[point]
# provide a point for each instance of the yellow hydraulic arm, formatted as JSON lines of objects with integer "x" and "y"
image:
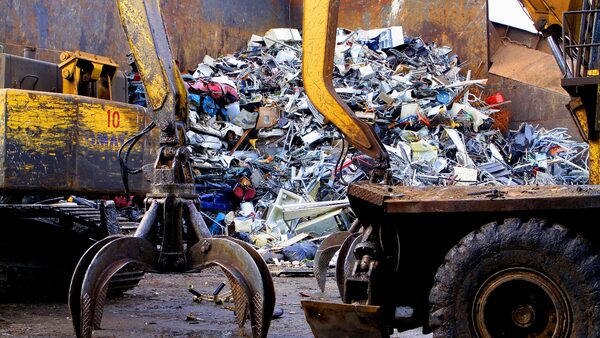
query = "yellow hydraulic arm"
{"x": 164, "y": 86}
{"x": 319, "y": 30}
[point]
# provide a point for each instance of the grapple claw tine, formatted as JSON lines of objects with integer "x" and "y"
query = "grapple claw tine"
{"x": 269, "y": 289}
{"x": 99, "y": 310}
{"x": 240, "y": 298}
{"x": 345, "y": 261}
{"x": 108, "y": 260}
{"x": 77, "y": 279}
{"x": 324, "y": 254}
{"x": 240, "y": 263}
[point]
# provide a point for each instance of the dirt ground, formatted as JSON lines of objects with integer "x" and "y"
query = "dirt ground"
{"x": 158, "y": 307}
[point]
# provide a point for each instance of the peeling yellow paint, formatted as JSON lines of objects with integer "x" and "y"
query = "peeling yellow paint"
{"x": 135, "y": 20}
{"x": 48, "y": 122}
{"x": 595, "y": 160}
{"x": 37, "y": 121}
{"x": 64, "y": 142}
{"x": 2, "y": 137}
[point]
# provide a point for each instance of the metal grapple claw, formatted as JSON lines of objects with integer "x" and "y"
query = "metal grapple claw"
{"x": 110, "y": 258}
{"x": 248, "y": 274}
{"x": 77, "y": 282}
{"x": 325, "y": 253}
{"x": 242, "y": 266}
{"x": 239, "y": 294}
{"x": 239, "y": 297}
{"x": 268, "y": 287}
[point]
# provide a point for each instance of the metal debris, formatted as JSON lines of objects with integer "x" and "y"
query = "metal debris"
{"x": 269, "y": 167}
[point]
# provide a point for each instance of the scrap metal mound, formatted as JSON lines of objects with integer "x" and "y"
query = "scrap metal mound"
{"x": 260, "y": 147}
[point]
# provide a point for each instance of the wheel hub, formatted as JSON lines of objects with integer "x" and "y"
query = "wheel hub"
{"x": 523, "y": 315}
{"x": 520, "y": 302}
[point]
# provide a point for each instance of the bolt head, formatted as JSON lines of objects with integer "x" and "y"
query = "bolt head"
{"x": 523, "y": 315}
{"x": 205, "y": 246}
{"x": 165, "y": 126}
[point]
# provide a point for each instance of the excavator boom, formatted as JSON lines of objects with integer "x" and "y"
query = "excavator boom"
{"x": 147, "y": 37}
{"x": 319, "y": 30}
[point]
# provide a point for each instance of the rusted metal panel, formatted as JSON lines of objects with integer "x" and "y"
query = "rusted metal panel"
{"x": 67, "y": 143}
{"x": 525, "y": 65}
{"x": 195, "y": 27}
{"x": 198, "y": 27}
{"x": 533, "y": 104}
{"x": 456, "y": 199}
{"x": 461, "y": 24}
{"x": 325, "y": 318}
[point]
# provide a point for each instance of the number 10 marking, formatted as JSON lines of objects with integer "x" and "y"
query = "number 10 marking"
{"x": 113, "y": 119}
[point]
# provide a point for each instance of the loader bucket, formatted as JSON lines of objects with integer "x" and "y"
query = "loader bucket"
{"x": 344, "y": 320}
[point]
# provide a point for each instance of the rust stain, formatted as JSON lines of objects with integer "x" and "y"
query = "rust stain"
{"x": 195, "y": 27}
{"x": 461, "y": 24}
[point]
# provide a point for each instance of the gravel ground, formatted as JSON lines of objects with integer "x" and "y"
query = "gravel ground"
{"x": 159, "y": 306}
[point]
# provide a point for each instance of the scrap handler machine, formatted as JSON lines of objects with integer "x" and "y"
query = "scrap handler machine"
{"x": 172, "y": 207}
{"x": 464, "y": 261}
{"x": 61, "y": 127}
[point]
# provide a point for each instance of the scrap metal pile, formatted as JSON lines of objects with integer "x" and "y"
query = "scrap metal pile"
{"x": 268, "y": 164}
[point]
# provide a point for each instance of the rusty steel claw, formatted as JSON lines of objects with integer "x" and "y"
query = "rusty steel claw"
{"x": 241, "y": 303}
{"x": 234, "y": 258}
{"x": 79, "y": 275}
{"x": 325, "y": 253}
{"x": 108, "y": 260}
{"x": 345, "y": 262}
{"x": 265, "y": 274}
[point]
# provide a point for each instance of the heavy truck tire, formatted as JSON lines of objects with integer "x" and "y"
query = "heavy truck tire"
{"x": 518, "y": 279}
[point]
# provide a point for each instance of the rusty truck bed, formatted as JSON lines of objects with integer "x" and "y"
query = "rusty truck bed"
{"x": 453, "y": 199}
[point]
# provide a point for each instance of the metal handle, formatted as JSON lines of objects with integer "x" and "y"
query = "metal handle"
{"x": 29, "y": 76}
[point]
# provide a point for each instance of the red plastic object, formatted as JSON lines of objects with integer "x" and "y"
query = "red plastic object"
{"x": 238, "y": 192}
{"x": 244, "y": 194}
{"x": 495, "y": 99}
{"x": 122, "y": 201}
